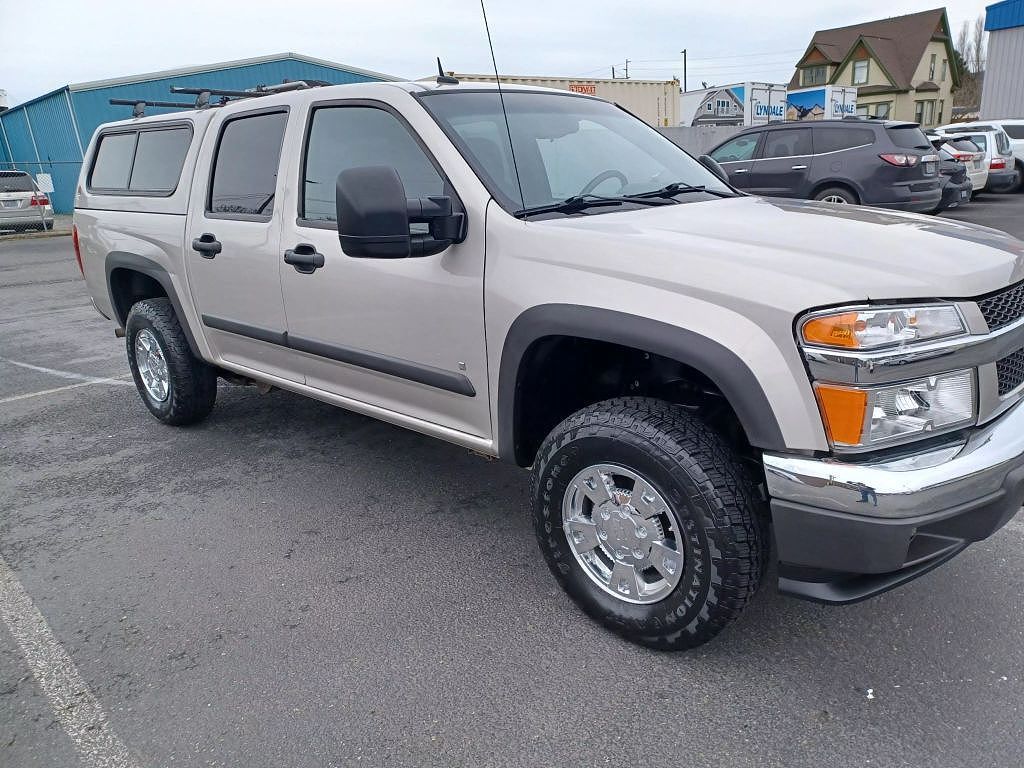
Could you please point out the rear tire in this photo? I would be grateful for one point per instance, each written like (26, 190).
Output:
(176, 386)
(837, 195)
(714, 519)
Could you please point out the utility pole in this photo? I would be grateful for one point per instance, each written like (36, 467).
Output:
(627, 69)
(684, 70)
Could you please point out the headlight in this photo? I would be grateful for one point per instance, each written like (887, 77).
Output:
(876, 327)
(868, 417)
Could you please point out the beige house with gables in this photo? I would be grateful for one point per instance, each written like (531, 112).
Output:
(904, 67)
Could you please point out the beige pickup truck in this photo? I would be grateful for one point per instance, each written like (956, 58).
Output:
(699, 379)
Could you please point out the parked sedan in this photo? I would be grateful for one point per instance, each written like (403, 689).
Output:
(957, 187)
(887, 164)
(22, 205)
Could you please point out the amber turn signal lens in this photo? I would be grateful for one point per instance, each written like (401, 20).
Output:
(833, 330)
(842, 411)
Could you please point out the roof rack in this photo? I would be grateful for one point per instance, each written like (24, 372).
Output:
(204, 96)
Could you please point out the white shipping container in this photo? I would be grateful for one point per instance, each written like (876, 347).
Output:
(748, 103)
(825, 102)
(654, 101)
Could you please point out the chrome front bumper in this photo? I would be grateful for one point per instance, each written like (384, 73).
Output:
(848, 530)
(914, 485)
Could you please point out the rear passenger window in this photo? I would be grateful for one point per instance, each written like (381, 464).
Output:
(245, 169)
(351, 137)
(159, 157)
(788, 143)
(113, 162)
(835, 139)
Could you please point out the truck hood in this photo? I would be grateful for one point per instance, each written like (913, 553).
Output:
(812, 253)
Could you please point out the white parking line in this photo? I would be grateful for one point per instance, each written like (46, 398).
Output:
(42, 392)
(65, 374)
(73, 704)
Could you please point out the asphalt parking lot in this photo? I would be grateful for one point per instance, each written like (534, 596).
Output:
(289, 584)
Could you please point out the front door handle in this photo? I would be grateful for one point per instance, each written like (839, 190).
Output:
(799, 167)
(741, 170)
(207, 245)
(304, 258)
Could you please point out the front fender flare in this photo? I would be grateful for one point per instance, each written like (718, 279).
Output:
(720, 364)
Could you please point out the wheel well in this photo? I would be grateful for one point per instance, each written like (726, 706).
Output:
(127, 287)
(840, 184)
(559, 375)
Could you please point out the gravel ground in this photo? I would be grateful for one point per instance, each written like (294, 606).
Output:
(289, 584)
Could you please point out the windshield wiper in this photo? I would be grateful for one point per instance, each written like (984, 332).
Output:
(676, 188)
(582, 202)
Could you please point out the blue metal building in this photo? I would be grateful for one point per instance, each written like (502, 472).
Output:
(1002, 92)
(50, 133)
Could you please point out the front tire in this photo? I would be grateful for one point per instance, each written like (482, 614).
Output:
(176, 386)
(649, 521)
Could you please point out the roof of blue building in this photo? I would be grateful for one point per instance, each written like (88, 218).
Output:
(1004, 15)
(208, 68)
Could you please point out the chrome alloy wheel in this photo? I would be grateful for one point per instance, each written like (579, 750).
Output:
(623, 533)
(834, 199)
(149, 358)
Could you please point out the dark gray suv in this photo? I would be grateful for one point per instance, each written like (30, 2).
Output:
(886, 164)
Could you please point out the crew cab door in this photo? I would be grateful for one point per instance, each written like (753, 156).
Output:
(782, 165)
(233, 234)
(405, 335)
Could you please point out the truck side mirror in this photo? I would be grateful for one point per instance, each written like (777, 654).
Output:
(374, 216)
(373, 222)
(712, 165)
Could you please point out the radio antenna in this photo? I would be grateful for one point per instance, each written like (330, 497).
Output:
(504, 112)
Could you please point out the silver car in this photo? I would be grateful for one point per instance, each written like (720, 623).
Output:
(22, 205)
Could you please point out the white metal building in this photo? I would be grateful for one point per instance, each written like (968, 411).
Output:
(1002, 94)
(654, 101)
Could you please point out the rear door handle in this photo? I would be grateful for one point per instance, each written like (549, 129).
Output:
(304, 258)
(799, 167)
(206, 245)
(741, 170)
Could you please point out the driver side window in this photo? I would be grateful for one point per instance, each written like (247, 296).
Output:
(739, 149)
(569, 161)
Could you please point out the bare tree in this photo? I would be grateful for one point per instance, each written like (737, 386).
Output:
(963, 44)
(978, 44)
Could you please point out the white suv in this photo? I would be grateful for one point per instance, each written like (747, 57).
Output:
(1005, 173)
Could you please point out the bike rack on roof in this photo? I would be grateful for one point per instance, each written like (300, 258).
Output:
(204, 96)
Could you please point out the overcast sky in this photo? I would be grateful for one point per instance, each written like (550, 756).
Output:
(46, 45)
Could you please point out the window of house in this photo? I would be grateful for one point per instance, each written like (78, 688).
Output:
(942, 108)
(931, 67)
(351, 137)
(924, 112)
(945, 69)
(711, 107)
(862, 111)
(245, 170)
(814, 75)
(882, 110)
(860, 72)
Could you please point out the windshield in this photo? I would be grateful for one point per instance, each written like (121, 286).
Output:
(15, 182)
(565, 146)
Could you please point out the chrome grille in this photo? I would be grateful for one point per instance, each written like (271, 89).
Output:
(1010, 372)
(1001, 309)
